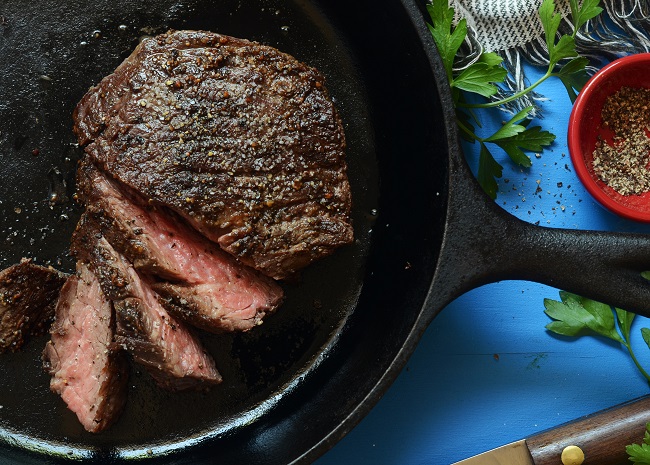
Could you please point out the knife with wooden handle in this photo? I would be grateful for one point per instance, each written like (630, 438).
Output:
(602, 438)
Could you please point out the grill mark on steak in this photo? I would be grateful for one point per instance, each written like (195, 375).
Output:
(222, 294)
(28, 295)
(168, 350)
(240, 139)
(88, 370)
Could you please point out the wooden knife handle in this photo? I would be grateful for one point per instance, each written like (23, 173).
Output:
(601, 436)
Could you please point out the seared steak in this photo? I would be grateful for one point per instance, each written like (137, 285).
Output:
(28, 295)
(228, 295)
(240, 139)
(209, 307)
(169, 351)
(88, 370)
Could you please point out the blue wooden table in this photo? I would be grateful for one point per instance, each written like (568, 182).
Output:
(486, 371)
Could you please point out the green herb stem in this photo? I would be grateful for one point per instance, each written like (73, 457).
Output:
(468, 131)
(636, 361)
(513, 97)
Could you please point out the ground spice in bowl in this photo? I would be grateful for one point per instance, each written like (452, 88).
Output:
(623, 163)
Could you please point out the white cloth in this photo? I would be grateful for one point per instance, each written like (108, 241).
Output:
(504, 24)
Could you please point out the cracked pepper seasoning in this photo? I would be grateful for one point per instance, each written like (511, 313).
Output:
(623, 164)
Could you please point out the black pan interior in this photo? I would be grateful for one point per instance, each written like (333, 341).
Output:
(292, 387)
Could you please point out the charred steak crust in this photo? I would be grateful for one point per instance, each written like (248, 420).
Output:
(89, 371)
(28, 296)
(239, 138)
(85, 247)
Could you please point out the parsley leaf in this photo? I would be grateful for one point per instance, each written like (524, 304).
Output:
(448, 39)
(464, 121)
(488, 170)
(574, 76)
(582, 14)
(575, 315)
(639, 454)
(578, 316)
(625, 320)
(514, 138)
(479, 78)
(531, 139)
(510, 128)
(645, 333)
(565, 47)
(550, 22)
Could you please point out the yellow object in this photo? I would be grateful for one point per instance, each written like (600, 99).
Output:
(572, 455)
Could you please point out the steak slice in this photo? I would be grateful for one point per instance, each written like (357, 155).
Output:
(28, 295)
(169, 351)
(226, 295)
(88, 370)
(202, 306)
(237, 137)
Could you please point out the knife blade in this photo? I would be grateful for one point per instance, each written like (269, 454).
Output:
(601, 436)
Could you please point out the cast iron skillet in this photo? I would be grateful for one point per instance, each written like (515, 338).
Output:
(424, 231)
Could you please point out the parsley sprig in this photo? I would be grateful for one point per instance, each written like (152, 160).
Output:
(578, 316)
(480, 80)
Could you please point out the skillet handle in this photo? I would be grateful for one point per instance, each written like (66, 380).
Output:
(483, 244)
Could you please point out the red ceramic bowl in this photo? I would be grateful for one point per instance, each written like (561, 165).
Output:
(585, 127)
